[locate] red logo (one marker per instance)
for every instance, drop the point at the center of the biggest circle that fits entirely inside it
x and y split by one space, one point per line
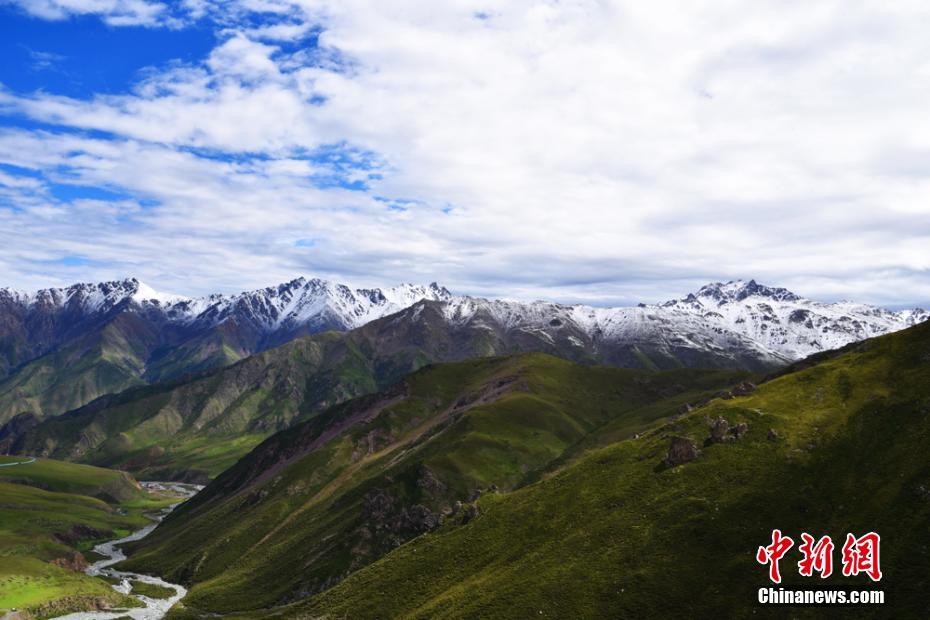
773 553
860 555
817 557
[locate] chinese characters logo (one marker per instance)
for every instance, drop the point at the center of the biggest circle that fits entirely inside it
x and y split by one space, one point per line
859 555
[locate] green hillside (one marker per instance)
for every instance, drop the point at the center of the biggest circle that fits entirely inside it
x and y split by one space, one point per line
354 483
51 515
195 427
619 534
109 360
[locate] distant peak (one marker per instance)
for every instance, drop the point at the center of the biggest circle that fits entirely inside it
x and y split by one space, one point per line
738 290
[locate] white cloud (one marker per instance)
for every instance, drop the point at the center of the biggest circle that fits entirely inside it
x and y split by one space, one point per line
586 149
114 12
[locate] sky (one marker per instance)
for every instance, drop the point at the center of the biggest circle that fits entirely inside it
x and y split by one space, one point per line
589 151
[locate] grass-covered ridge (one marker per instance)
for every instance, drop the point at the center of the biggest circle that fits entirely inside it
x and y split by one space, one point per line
194 426
618 534
353 483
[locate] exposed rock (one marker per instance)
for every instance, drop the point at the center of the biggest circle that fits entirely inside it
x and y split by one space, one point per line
471 511
681 450
74 562
376 505
429 482
684 409
772 435
380 512
79 532
419 519
744 389
739 430
719 430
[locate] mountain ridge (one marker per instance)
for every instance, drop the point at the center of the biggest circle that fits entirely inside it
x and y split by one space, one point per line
61 348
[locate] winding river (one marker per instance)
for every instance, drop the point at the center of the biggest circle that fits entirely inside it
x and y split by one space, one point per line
154 609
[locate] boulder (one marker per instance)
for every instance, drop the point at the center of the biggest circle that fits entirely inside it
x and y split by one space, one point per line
681 450
744 389
773 435
719 430
739 430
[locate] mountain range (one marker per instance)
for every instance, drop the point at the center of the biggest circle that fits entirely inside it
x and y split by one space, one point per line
63 348
414 453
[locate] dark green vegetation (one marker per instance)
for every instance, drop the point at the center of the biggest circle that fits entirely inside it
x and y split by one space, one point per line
52 368
51 515
614 532
617 534
197 427
350 485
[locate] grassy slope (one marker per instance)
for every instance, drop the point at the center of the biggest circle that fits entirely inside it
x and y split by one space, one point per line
103 362
199 426
40 505
58 476
206 423
445 432
616 534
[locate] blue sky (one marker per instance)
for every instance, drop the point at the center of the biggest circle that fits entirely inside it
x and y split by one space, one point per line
606 152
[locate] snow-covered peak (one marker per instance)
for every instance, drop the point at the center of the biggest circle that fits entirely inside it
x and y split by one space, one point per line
320 304
738 290
91 297
289 305
771 322
767 322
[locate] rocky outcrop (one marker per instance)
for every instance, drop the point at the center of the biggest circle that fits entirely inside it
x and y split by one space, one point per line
383 514
682 450
719 431
739 430
79 532
744 389
73 562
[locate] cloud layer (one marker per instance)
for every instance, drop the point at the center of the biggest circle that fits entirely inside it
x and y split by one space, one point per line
581 150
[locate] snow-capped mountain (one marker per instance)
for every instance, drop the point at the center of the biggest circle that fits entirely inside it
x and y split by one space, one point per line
60 348
289 305
741 319
773 321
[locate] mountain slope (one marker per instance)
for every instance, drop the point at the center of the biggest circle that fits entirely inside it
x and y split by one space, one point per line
360 479
834 445
196 427
200 426
62 348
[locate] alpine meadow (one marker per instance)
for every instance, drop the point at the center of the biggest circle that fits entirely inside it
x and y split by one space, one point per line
541 309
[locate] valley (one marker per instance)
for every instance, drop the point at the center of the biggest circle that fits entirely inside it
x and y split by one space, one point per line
52 514
831 445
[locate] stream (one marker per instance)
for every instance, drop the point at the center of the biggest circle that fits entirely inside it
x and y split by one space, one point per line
154 608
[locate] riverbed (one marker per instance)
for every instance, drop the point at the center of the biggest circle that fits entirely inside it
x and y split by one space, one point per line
154 609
